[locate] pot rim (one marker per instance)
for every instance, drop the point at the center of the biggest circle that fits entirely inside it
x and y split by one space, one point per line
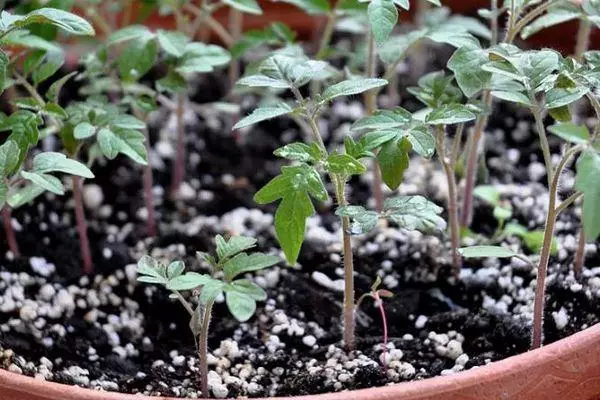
535 363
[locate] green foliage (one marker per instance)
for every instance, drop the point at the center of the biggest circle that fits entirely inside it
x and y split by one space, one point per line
466 64
450 114
247 6
263 114
436 89
588 171
275 34
69 23
351 87
487 251
408 212
232 259
570 132
383 16
295 186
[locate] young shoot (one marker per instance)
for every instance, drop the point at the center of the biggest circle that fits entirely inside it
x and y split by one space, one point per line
230 262
377 295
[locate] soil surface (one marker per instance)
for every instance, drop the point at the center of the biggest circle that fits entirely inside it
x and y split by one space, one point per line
108 332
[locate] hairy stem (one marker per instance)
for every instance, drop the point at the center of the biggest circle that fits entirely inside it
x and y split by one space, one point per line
178 173
541 130
472 158
579 255
348 313
540 287
370 98
148 180
583 38
11 238
84 243
203 349
452 198
385 329
516 27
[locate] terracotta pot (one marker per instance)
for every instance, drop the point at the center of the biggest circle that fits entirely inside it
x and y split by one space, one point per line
565 370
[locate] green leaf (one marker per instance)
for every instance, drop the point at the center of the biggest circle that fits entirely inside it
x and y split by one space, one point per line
64 20
57 162
571 132
235 244
466 64
126 141
188 281
149 266
45 181
138 58
351 87
300 152
383 120
551 18
558 97
586 180
211 290
383 17
246 287
3 66
513 97
487 251
172 42
51 63
175 269
414 213
263 114
263 81
126 121
241 306
394 160
561 114
243 262
247 6
128 33
84 130
362 220
487 193
173 82
344 164
311 6
534 241
9 158
24 195
450 114
55 111
200 57
53 92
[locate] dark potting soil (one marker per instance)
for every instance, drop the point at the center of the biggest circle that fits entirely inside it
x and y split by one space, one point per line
106 331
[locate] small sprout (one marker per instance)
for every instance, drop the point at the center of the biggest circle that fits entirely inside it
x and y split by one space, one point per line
230 262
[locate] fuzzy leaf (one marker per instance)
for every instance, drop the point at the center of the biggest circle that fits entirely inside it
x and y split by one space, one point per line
248 288
64 20
487 251
350 87
241 306
488 193
571 132
344 164
263 81
246 263
588 171
263 114
128 33
175 269
450 114
513 97
138 58
9 158
383 17
126 141
362 220
466 64
24 195
58 162
235 244
45 181
558 97
172 42
300 152
311 6
414 213
188 281
84 130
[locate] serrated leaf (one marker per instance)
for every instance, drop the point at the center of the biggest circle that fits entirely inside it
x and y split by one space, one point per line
393 160
383 17
362 220
263 114
149 266
241 306
344 164
172 42
55 110
383 120
211 290
300 152
64 20
466 64
586 180
200 57
235 244
487 251
351 87
24 195
126 141
571 132
450 114
45 181
188 281
84 130
57 162
513 97
248 288
243 262
414 213
247 6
